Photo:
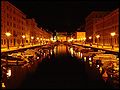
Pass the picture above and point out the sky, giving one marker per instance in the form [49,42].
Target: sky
[62,15]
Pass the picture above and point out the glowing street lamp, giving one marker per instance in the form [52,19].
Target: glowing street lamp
[112,35]
[90,40]
[32,40]
[38,39]
[8,35]
[41,41]
[32,37]
[23,36]
[90,37]
[84,39]
[98,36]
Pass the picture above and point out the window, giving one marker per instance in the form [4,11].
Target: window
[7,15]
[8,23]
[13,18]
[2,41]
[10,9]
[10,17]
[7,7]
[14,25]
[11,41]
[22,22]
[14,11]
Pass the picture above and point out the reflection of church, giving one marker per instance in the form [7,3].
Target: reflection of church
[61,49]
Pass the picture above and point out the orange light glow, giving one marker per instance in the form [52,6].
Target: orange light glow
[112,34]
[23,36]
[90,37]
[37,38]
[97,36]
[7,34]
[8,72]
[32,37]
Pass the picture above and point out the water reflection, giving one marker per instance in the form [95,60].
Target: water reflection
[18,73]
[108,68]
[60,49]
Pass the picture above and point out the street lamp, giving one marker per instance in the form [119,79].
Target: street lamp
[23,36]
[38,39]
[32,40]
[84,40]
[112,35]
[7,34]
[41,41]
[90,37]
[90,40]
[98,36]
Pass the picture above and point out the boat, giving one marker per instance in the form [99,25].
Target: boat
[91,53]
[14,61]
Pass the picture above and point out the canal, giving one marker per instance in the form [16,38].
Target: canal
[59,68]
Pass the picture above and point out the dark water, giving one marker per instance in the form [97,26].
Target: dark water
[57,68]
[61,70]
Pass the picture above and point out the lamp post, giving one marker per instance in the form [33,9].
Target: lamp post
[90,40]
[32,40]
[23,36]
[84,40]
[38,39]
[7,34]
[98,36]
[112,35]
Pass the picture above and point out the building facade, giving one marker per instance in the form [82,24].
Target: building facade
[90,21]
[105,26]
[61,36]
[12,21]
[79,36]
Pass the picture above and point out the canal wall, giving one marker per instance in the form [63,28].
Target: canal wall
[108,51]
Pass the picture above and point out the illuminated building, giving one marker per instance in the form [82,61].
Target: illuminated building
[61,36]
[105,26]
[90,21]
[79,36]
[13,21]
[32,29]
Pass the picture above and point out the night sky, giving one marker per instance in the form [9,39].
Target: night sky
[62,15]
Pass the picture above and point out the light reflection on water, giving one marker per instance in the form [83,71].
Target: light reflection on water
[18,73]
[21,71]
[105,75]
